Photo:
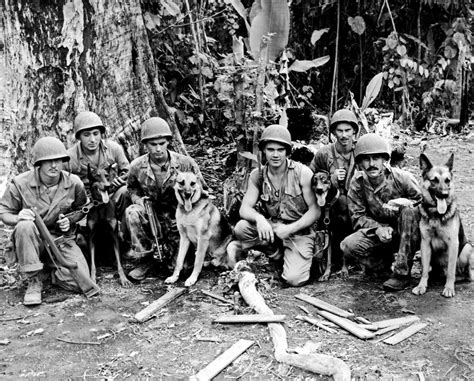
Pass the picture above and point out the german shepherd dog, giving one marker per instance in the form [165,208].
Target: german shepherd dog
[326,196]
[443,243]
[102,217]
[200,223]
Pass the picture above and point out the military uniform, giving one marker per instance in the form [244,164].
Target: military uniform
[142,182]
[284,205]
[110,153]
[366,206]
[28,246]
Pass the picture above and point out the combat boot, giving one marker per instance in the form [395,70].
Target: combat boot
[33,292]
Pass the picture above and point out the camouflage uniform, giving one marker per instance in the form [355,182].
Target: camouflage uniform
[28,246]
[110,153]
[367,213]
[286,205]
[141,183]
[327,159]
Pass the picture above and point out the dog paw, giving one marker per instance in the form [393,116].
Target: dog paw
[324,278]
[448,292]
[126,283]
[190,281]
[171,279]
[419,290]
[344,273]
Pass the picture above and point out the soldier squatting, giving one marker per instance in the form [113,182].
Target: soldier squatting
[278,212]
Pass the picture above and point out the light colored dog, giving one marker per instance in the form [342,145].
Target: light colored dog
[444,247]
[200,223]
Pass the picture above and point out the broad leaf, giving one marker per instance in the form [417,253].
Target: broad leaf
[249,156]
[269,16]
[240,9]
[304,65]
[373,90]
[317,35]
[357,24]
[170,8]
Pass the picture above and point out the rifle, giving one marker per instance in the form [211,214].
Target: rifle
[155,226]
[83,280]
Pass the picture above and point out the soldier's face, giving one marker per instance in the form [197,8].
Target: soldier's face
[373,165]
[50,169]
[90,139]
[344,133]
[157,149]
[275,153]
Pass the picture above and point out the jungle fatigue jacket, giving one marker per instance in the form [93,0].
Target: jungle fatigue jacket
[366,203]
[326,159]
[286,204]
[141,180]
[110,153]
[69,196]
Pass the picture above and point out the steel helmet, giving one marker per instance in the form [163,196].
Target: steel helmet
[370,144]
[86,120]
[275,133]
[344,116]
[154,128]
[49,148]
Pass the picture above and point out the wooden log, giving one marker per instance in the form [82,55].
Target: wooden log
[217,297]
[397,321]
[324,305]
[405,334]
[316,322]
[147,312]
[222,361]
[250,319]
[348,325]
[312,362]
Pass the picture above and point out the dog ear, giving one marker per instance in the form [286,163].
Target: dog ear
[450,162]
[425,163]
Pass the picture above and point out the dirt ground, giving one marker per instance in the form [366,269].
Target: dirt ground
[105,343]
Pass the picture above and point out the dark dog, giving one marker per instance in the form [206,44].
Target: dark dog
[103,217]
[200,223]
[443,243]
[326,196]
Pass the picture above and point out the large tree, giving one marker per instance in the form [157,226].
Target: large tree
[65,56]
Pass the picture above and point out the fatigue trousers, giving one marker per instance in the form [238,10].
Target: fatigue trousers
[297,250]
[138,232]
[31,255]
[366,248]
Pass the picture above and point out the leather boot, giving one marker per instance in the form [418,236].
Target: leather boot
[397,283]
[33,292]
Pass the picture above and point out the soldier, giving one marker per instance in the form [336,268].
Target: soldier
[53,193]
[337,159]
[152,176]
[381,204]
[92,153]
[282,227]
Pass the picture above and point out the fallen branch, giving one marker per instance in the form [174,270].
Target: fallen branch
[405,334]
[16,318]
[220,298]
[78,342]
[250,319]
[315,363]
[321,304]
[222,361]
[147,312]
[348,325]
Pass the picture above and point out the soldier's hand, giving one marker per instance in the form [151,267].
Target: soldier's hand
[63,223]
[118,182]
[384,233]
[264,228]
[281,230]
[26,215]
[341,174]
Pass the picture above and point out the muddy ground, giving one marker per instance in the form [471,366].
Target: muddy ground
[104,342]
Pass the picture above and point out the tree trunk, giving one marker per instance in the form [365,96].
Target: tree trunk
[65,56]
